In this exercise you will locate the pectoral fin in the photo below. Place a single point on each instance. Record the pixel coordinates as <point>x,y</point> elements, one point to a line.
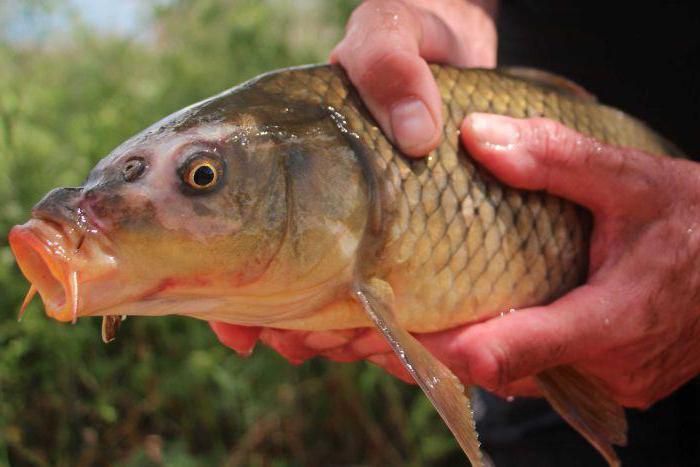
<point>586,407</point>
<point>441,386</point>
<point>110,326</point>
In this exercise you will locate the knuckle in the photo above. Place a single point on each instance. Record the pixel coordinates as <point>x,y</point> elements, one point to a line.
<point>377,26</point>
<point>382,17</point>
<point>550,140</point>
<point>401,63</point>
<point>384,9</point>
<point>489,368</point>
<point>405,69</point>
<point>645,177</point>
<point>632,392</point>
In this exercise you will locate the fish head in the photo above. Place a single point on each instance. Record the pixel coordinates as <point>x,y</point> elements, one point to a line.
<point>230,209</point>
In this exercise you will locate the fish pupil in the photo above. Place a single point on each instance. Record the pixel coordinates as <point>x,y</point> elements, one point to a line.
<point>204,175</point>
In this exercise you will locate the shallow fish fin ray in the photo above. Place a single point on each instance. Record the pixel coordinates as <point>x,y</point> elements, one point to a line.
<point>442,387</point>
<point>586,406</point>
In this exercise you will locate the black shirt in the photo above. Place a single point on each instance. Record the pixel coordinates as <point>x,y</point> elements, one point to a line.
<point>644,58</point>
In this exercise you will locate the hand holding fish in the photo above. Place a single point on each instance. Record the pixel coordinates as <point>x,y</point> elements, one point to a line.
<point>635,324</point>
<point>396,39</point>
<point>390,38</point>
<point>281,205</point>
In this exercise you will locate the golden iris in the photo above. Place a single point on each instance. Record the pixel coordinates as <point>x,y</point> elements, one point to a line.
<point>202,174</point>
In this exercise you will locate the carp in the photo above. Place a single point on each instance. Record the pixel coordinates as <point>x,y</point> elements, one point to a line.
<point>280,203</point>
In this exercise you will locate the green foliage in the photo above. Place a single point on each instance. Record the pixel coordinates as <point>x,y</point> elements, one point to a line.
<point>167,392</point>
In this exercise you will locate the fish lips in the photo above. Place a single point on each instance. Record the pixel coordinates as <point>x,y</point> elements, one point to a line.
<point>53,258</point>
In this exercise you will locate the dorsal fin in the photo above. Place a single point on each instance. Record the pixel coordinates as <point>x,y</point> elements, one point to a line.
<point>549,80</point>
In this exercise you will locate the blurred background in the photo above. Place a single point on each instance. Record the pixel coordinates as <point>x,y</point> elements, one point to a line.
<point>77,77</point>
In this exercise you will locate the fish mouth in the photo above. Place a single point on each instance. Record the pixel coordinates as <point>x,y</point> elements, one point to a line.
<point>50,257</point>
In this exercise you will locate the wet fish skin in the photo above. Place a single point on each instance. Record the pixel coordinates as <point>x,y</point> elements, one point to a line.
<point>458,245</point>
<point>316,222</point>
<point>453,245</point>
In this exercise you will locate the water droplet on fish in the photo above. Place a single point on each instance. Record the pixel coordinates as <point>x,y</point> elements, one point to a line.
<point>432,382</point>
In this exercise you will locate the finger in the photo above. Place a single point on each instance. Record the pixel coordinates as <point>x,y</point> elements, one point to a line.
<point>369,343</point>
<point>541,154</point>
<point>499,351</point>
<point>362,343</point>
<point>289,344</point>
<point>384,53</point>
<point>242,339</point>
<point>392,365</point>
<point>525,387</point>
<point>322,341</point>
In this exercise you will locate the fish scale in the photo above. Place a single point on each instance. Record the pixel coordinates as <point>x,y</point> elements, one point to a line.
<point>460,245</point>
<point>308,219</point>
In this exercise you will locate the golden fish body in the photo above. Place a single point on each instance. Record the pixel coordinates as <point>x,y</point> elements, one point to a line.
<point>281,203</point>
<point>458,245</point>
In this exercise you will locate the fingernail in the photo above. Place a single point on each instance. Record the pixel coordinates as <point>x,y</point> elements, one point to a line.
<point>493,130</point>
<point>412,124</point>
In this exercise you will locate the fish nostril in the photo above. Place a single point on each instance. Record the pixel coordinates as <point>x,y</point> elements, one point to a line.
<point>133,169</point>
<point>94,210</point>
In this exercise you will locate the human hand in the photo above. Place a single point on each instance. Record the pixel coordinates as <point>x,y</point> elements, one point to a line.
<point>384,52</point>
<point>344,345</point>
<point>635,324</point>
<point>390,38</point>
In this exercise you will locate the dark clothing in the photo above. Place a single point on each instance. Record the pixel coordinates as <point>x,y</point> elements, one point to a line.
<point>527,432</point>
<point>642,57</point>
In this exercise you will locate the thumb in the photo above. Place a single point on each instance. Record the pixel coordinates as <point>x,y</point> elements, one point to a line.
<point>502,350</point>
<point>541,154</point>
<point>384,53</point>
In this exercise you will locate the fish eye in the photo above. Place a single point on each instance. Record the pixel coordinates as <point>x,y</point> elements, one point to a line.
<point>202,176</point>
<point>133,169</point>
<point>202,171</point>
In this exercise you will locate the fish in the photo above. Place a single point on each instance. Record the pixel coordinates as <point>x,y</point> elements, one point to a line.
<point>281,203</point>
